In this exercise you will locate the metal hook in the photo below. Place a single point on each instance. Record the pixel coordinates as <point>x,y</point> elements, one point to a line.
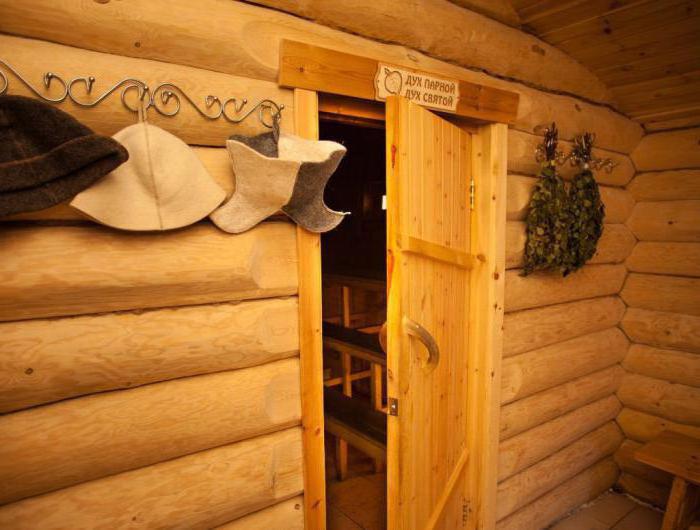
<point>47,80</point>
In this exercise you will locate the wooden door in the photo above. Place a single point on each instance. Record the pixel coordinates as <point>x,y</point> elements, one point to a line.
<point>430,240</point>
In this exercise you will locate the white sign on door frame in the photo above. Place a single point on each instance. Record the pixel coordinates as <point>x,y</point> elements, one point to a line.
<point>426,90</point>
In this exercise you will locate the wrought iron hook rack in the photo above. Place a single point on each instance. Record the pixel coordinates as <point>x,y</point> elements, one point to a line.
<point>165,98</point>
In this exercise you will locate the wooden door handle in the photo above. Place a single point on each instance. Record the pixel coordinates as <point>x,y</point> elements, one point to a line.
<point>414,329</point>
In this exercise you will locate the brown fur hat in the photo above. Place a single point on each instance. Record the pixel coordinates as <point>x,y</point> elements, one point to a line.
<point>47,156</point>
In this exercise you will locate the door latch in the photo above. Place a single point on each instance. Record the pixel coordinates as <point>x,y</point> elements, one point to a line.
<point>393,406</point>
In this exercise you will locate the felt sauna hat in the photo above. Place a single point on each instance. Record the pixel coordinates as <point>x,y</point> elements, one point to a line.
<point>163,185</point>
<point>47,156</point>
<point>288,175</point>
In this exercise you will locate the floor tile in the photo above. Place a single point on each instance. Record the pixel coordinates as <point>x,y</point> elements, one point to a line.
<point>641,518</point>
<point>337,520</point>
<point>610,508</point>
<point>580,521</point>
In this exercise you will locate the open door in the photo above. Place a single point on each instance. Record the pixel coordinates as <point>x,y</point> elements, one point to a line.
<point>432,386</point>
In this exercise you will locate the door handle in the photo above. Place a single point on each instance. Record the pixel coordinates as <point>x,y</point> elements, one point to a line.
<point>414,329</point>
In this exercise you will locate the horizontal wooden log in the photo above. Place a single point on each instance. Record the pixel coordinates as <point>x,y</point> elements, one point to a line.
<point>501,10</point>
<point>515,55</point>
<point>215,159</point>
<point>668,150</point>
<point>672,401</point>
<point>642,427</point>
<point>59,445</point>
<point>537,370</point>
<point>625,458</point>
<point>614,246</point>
<point>44,361</point>
<point>547,288</point>
<point>618,202</point>
<point>202,490</point>
<point>523,488</point>
<point>662,293</point>
<point>27,57</point>
<point>529,447</point>
<point>678,185</point>
<point>529,412</point>
<point>521,160</point>
<point>248,42</point>
<point>663,329</point>
<point>670,365</point>
<point>645,490</point>
<point>553,505</point>
<point>666,221</point>
<point>53,271</point>
<point>682,259</point>
<point>287,514</point>
<point>534,328</point>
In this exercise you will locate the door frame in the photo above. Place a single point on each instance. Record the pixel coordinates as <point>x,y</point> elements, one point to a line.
<point>311,70</point>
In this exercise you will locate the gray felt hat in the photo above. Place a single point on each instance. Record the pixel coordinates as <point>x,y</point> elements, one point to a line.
<point>288,175</point>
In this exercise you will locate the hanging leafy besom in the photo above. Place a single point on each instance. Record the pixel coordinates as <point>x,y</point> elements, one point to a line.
<point>548,218</point>
<point>587,209</point>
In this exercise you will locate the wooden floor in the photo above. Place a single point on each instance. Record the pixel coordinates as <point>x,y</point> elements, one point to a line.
<point>358,502</point>
<point>613,511</point>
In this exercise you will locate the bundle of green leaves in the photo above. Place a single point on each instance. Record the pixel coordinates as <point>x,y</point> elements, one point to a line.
<point>548,222</point>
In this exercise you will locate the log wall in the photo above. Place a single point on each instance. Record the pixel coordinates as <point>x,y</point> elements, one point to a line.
<point>133,364</point>
<point>58,324</point>
<point>661,387</point>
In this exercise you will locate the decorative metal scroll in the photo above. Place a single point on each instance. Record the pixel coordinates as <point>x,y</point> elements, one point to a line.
<point>580,154</point>
<point>165,98</point>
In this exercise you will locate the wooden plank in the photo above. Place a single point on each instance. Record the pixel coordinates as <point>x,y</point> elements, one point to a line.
<point>286,514</point>
<point>527,413</point>
<point>625,458</point>
<point>682,259</point>
<point>537,370</point>
<point>535,481</point>
<point>202,490</point>
<point>670,365</point>
<point>521,160</point>
<point>689,117</point>
<point>529,447</point>
<point>642,427</point>
<point>672,185</point>
<point>435,251</point>
<point>618,202</point>
<point>614,246</point>
<point>662,293</point>
<point>310,340</point>
<point>675,402</point>
<point>56,446</point>
<point>542,326</point>
<point>53,271</point>
<point>215,159</point>
<point>666,221</point>
<point>576,491</point>
<point>44,361</point>
<point>682,504</point>
<point>27,56</point>
<point>668,150</point>
<point>542,289</point>
<point>325,70</point>
<point>674,453</point>
<point>486,314</point>
<point>442,24</point>
<point>663,329</point>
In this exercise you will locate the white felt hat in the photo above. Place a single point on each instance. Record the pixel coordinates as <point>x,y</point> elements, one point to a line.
<point>162,186</point>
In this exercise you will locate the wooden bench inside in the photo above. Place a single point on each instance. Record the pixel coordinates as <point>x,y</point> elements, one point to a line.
<point>678,455</point>
<point>356,422</point>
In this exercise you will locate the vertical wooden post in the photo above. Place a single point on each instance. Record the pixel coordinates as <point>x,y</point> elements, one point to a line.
<point>489,157</point>
<point>310,340</point>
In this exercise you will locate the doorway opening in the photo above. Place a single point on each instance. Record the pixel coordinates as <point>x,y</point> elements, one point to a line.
<point>354,311</point>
